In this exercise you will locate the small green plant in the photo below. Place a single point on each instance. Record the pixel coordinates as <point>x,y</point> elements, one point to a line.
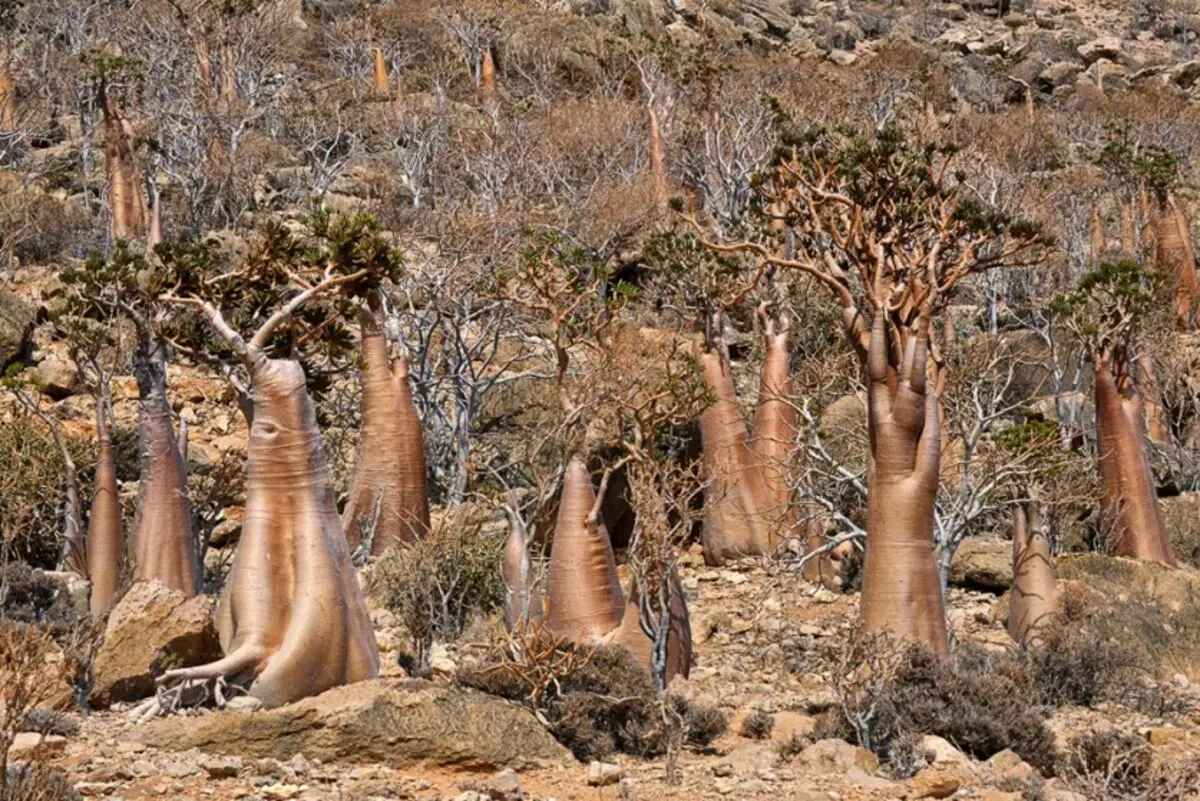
<point>436,584</point>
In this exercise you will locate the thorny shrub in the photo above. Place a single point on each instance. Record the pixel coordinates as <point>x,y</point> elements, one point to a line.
<point>595,700</point>
<point>28,678</point>
<point>1120,766</point>
<point>34,782</point>
<point>436,584</point>
<point>758,725</point>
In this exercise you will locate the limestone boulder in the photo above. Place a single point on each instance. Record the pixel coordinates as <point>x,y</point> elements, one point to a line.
<point>395,722</point>
<point>16,324</point>
<point>983,563</point>
<point>151,630</point>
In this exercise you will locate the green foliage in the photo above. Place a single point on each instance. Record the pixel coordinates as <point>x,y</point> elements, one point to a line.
<point>1131,163</point>
<point>1033,433</point>
<point>436,584</point>
<point>1108,303</point>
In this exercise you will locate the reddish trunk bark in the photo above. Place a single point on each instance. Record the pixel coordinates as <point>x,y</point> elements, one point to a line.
<point>734,524</point>
<point>74,552</point>
<point>522,601</point>
<point>1131,521</point>
<point>8,95</point>
<point>487,80</point>
<point>1156,416</point>
<point>164,547</point>
<point>292,619</point>
<point>126,203</point>
<point>585,601</point>
<point>104,545</point>
<point>1034,600</point>
<point>901,589</point>
<point>381,75</point>
<point>775,429</point>
<point>388,500</point>
<point>1099,242</point>
<point>1175,257</point>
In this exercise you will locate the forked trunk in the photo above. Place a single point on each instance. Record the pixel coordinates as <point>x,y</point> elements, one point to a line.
<point>1175,257</point>
<point>164,547</point>
<point>775,428</point>
<point>126,203</point>
<point>664,656</point>
<point>292,619</point>
<point>901,588</point>
<point>584,597</point>
<point>381,75</point>
<point>388,505</point>
<point>658,162</point>
<point>1034,600</point>
<point>1130,519</point>
<point>104,544</point>
<point>734,524</point>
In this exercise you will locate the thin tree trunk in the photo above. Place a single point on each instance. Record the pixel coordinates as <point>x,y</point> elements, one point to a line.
<point>487,80</point>
<point>126,203</point>
<point>585,601</point>
<point>901,589</point>
<point>734,525</point>
<point>292,619</point>
<point>164,545</point>
<point>8,95</point>
<point>388,500</point>
<point>1098,240</point>
<point>1034,599</point>
<point>1128,237</point>
<point>1131,521</point>
<point>381,75</point>
<point>522,601</point>
<point>1156,416</point>
<point>658,163</point>
<point>74,553</point>
<point>104,544</point>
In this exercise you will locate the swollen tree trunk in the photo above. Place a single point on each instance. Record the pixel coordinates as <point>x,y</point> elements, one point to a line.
<point>775,428</point>
<point>584,597</point>
<point>1156,415</point>
<point>381,75</point>
<point>664,646</point>
<point>1131,522</point>
<point>1175,257</point>
<point>388,504</point>
<point>901,589</point>
<point>487,79</point>
<point>164,546</point>
<point>1099,243</point>
<point>292,619</point>
<point>8,95</point>
<point>522,600</point>
<point>1034,600</point>
<point>104,542</point>
<point>126,203</point>
<point>734,524</point>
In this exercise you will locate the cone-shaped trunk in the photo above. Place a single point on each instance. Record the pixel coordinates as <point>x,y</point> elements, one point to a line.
<point>1131,521</point>
<point>292,619</point>
<point>104,545</point>
<point>677,661</point>
<point>1034,599</point>
<point>585,601</point>
<point>734,523</point>
<point>1099,241</point>
<point>775,428</point>
<point>1176,259</point>
<point>126,203</point>
<point>522,601</point>
<point>164,547</point>
<point>381,75</point>
<point>74,552</point>
<point>1156,416</point>
<point>901,588</point>
<point>658,162</point>
<point>388,503</point>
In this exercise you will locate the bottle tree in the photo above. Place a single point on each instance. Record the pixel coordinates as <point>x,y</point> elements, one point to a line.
<point>1105,313</point>
<point>889,230</point>
<point>291,618</point>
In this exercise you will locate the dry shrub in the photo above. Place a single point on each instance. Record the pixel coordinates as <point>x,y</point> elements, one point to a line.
<point>33,782</point>
<point>889,690</point>
<point>595,700</point>
<point>28,678</point>
<point>758,725</point>
<point>436,584</point>
<point>1120,766</point>
<point>1075,666</point>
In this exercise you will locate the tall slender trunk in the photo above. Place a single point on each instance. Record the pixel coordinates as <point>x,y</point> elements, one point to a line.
<point>8,95</point>
<point>901,589</point>
<point>734,525</point>
<point>1156,415</point>
<point>522,600</point>
<point>164,545</point>
<point>1128,235</point>
<point>487,80</point>
<point>775,429</point>
<point>658,162</point>
<point>105,547</point>
<point>584,597</point>
<point>74,553</point>
<point>1176,258</point>
<point>126,203</point>
<point>388,501</point>
<point>381,75</point>
<point>1131,521</point>
<point>292,619</point>
<point>1099,244</point>
<point>1034,599</point>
